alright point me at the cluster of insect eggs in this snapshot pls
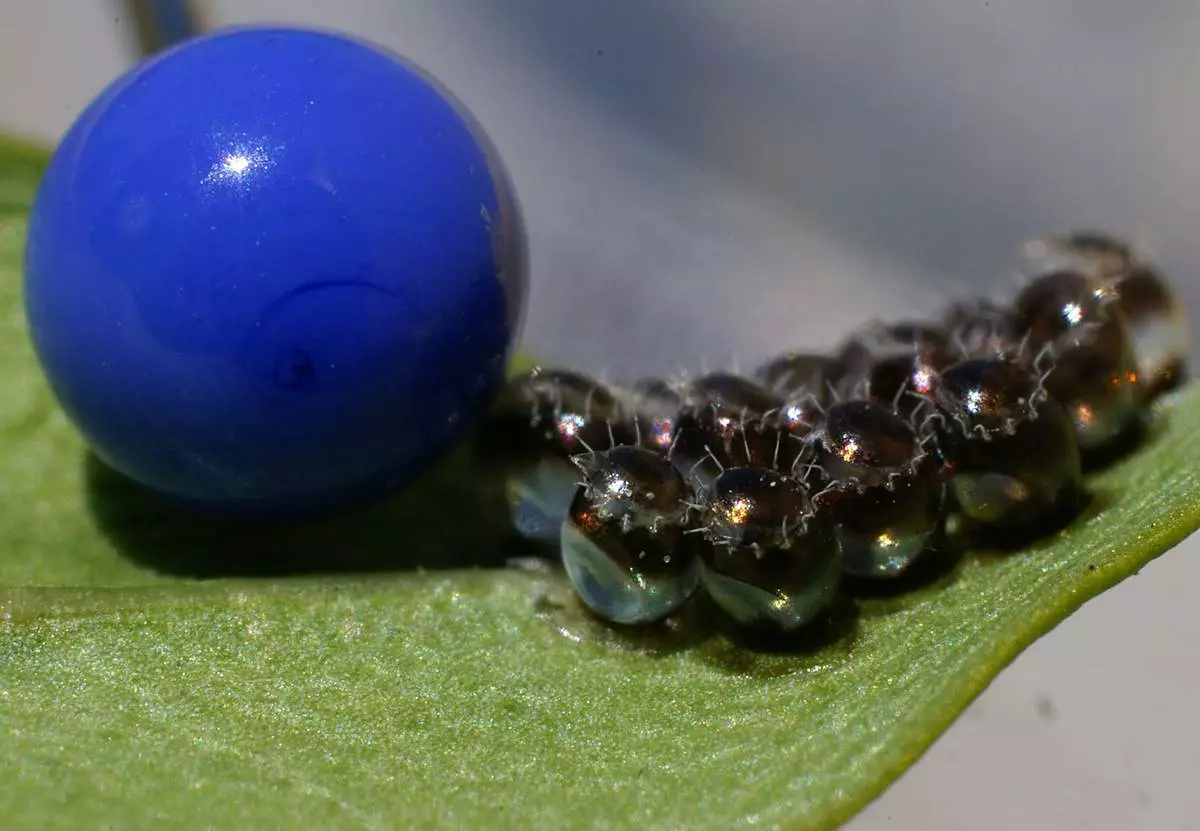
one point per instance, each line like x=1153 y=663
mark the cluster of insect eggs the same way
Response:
x=767 y=490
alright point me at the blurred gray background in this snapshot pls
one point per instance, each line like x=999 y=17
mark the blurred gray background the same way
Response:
x=707 y=183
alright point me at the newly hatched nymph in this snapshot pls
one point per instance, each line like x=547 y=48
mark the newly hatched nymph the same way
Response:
x=623 y=542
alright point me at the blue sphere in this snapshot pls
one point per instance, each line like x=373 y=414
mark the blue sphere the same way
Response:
x=274 y=269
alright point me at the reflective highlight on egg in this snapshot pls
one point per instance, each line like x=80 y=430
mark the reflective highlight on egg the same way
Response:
x=654 y=405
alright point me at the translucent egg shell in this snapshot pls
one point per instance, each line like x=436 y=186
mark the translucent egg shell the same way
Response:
x=885 y=491
x=623 y=542
x=1075 y=330
x=542 y=419
x=770 y=561
x=1008 y=449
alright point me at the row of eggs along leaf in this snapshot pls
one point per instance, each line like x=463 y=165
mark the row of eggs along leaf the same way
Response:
x=768 y=490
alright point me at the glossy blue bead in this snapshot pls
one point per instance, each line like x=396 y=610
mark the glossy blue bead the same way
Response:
x=274 y=268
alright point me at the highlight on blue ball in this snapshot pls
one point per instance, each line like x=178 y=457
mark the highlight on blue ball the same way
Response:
x=273 y=268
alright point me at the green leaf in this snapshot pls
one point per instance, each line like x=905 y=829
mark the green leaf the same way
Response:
x=163 y=670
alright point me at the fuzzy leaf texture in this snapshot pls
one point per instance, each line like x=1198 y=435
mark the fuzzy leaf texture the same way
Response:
x=386 y=670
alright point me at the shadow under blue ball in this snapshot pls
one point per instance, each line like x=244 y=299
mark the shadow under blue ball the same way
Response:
x=273 y=269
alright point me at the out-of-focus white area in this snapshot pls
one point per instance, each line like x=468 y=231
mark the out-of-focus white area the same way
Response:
x=711 y=181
